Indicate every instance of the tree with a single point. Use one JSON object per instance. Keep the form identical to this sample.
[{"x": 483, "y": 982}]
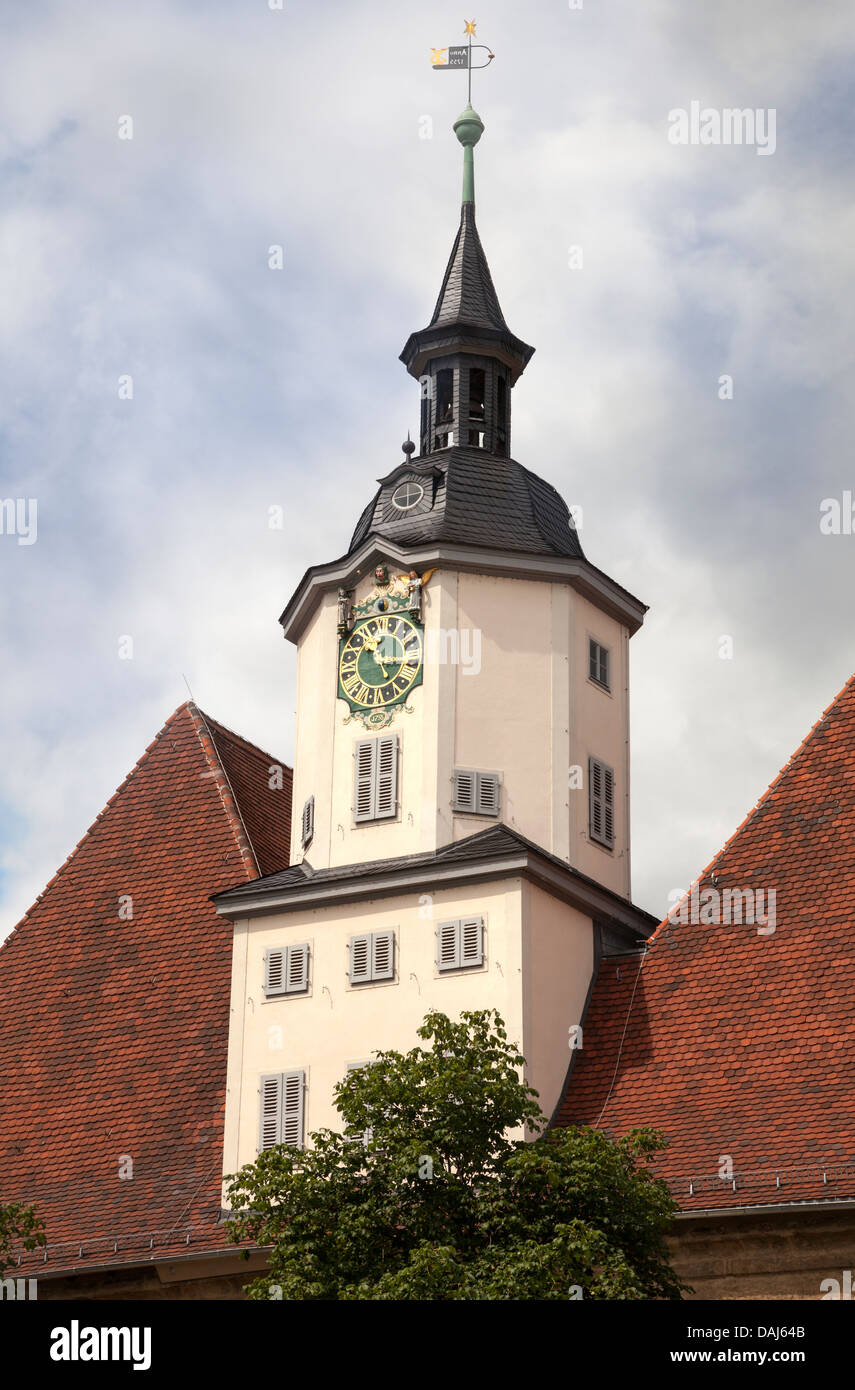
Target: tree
[
  {"x": 19, "y": 1225},
  {"x": 424, "y": 1195}
]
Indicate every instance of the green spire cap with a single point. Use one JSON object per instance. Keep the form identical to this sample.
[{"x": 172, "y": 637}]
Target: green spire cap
[{"x": 468, "y": 128}]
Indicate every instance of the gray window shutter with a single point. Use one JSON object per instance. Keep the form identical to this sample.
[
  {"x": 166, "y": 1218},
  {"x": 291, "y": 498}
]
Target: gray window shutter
[
  {"x": 386, "y": 764},
  {"x": 601, "y": 802},
  {"x": 472, "y": 941},
  {"x": 464, "y": 790},
  {"x": 293, "y": 1089},
  {"x": 448, "y": 945},
  {"x": 271, "y": 1112},
  {"x": 274, "y": 971},
  {"x": 604, "y": 665},
  {"x": 608, "y": 806},
  {"x": 308, "y": 826},
  {"x": 592, "y": 659},
  {"x": 351, "y": 1136},
  {"x": 595, "y": 799},
  {"x": 488, "y": 794},
  {"x": 298, "y": 969},
  {"x": 364, "y": 779},
  {"x": 360, "y": 959},
  {"x": 383, "y": 955}
]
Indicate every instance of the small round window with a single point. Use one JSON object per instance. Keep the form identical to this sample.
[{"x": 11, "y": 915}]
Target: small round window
[{"x": 407, "y": 496}]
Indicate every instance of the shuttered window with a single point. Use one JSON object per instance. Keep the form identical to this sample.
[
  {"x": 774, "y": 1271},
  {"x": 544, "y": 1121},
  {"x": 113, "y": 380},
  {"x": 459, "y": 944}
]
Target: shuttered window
[
  {"x": 286, "y": 970},
  {"x": 351, "y": 1135},
  {"x": 601, "y": 802},
  {"x": 308, "y": 824},
  {"x": 282, "y": 1103},
  {"x": 298, "y": 969},
  {"x": 372, "y": 957},
  {"x": 375, "y": 791},
  {"x": 460, "y": 943},
  {"x": 476, "y": 792},
  {"x": 598, "y": 663}
]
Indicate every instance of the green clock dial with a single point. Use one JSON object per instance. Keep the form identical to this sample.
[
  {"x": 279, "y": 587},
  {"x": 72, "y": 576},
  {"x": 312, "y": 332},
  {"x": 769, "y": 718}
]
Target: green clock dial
[{"x": 380, "y": 661}]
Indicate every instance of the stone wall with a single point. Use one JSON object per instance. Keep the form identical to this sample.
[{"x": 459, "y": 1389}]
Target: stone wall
[{"x": 781, "y": 1254}]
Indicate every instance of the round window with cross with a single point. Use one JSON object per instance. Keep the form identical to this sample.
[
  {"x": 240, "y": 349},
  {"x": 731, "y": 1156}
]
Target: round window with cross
[{"x": 407, "y": 496}]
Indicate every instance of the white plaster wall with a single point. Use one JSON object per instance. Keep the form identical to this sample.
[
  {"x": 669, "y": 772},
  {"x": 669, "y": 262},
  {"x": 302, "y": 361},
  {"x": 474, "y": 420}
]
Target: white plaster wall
[
  {"x": 558, "y": 961},
  {"x": 324, "y": 749},
  {"x": 503, "y": 712},
  {"x": 530, "y": 713},
  {"x": 599, "y": 727},
  {"x": 335, "y": 1024},
  {"x": 317, "y": 654}
]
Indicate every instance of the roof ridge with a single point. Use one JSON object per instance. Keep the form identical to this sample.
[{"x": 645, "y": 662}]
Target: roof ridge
[
  {"x": 239, "y": 738},
  {"x": 749, "y": 816},
  {"x": 100, "y": 816},
  {"x": 229, "y": 800},
  {"x": 468, "y": 269}
]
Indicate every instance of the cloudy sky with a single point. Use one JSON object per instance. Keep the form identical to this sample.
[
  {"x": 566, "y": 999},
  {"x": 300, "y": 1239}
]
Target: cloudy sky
[{"x": 304, "y": 127}]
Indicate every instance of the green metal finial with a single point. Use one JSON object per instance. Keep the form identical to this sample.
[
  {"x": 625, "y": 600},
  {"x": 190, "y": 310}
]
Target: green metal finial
[{"x": 469, "y": 128}]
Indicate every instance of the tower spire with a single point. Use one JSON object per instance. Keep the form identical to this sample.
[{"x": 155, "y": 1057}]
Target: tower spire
[
  {"x": 469, "y": 128},
  {"x": 467, "y": 359}
]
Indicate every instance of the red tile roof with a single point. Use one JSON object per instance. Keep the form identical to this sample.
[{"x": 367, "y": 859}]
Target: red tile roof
[
  {"x": 254, "y": 779},
  {"x": 737, "y": 1041},
  {"x": 114, "y": 1030}
]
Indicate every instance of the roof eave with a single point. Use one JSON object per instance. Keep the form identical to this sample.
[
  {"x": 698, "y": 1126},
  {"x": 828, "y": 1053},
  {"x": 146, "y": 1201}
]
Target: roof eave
[
  {"x": 574, "y": 570},
  {"x": 800, "y": 1205},
  {"x": 464, "y": 337},
  {"x": 560, "y": 880}
]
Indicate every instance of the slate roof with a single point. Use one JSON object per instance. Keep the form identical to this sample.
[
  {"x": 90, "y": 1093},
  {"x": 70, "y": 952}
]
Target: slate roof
[
  {"x": 735, "y": 1042},
  {"x": 494, "y": 843},
  {"x": 114, "y": 1032},
  {"x": 467, "y": 308},
  {"x": 479, "y": 500},
  {"x": 467, "y": 294},
  {"x": 484, "y": 844},
  {"x": 268, "y": 809}
]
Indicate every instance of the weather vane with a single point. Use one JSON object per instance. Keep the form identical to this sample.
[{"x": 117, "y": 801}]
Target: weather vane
[{"x": 460, "y": 56}]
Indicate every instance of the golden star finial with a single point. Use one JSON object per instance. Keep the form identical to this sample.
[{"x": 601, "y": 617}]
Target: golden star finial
[{"x": 469, "y": 26}]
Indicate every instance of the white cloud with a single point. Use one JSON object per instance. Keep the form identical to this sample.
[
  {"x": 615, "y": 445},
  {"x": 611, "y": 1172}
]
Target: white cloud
[{"x": 254, "y": 387}]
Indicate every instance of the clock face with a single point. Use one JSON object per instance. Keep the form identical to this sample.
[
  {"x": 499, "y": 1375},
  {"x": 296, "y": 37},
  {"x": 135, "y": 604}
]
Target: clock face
[{"x": 380, "y": 662}]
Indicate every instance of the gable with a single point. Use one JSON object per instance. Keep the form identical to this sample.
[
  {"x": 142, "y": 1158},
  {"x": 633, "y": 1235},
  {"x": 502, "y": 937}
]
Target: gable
[
  {"x": 738, "y": 1040},
  {"x": 114, "y": 999}
]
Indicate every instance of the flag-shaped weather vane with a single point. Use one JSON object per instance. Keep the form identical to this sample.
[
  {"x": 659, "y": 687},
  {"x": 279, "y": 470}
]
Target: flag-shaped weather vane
[{"x": 460, "y": 55}]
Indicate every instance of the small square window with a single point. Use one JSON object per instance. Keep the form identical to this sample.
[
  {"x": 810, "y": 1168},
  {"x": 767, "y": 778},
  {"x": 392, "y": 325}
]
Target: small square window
[
  {"x": 286, "y": 970},
  {"x": 476, "y": 793},
  {"x": 460, "y": 944},
  {"x": 372, "y": 957}
]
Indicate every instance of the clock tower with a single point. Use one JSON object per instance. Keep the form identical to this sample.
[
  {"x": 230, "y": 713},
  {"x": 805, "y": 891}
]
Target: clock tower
[{"x": 461, "y": 776}]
